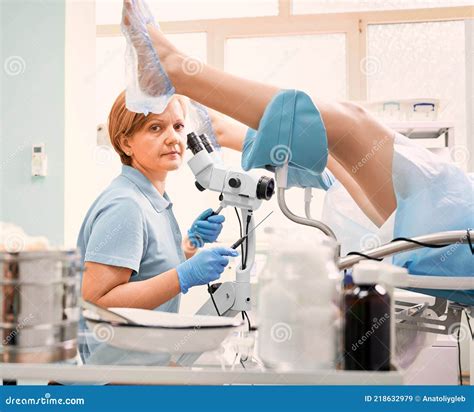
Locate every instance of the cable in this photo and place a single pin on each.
(240, 222)
(468, 234)
(364, 256)
(459, 356)
(406, 239)
(240, 229)
(212, 298)
(249, 218)
(469, 323)
(244, 313)
(235, 358)
(416, 242)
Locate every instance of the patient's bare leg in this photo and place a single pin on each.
(343, 162)
(242, 99)
(361, 145)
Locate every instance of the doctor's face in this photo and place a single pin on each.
(160, 144)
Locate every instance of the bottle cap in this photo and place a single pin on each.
(368, 272)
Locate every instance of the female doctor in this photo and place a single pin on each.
(131, 244)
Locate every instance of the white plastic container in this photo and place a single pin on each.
(422, 109)
(401, 110)
(387, 111)
(298, 302)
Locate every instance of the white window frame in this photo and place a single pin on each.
(352, 24)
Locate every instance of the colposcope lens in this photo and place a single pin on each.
(206, 143)
(265, 188)
(194, 143)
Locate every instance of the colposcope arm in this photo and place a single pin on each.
(302, 220)
(308, 195)
(242, 279)
(231, 297)
(281, 175)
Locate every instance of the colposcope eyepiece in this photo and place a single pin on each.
(194, 143)
(265, 188)
(206, 142)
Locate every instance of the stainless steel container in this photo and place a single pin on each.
(39, 306)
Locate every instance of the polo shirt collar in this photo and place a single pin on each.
(158, 201)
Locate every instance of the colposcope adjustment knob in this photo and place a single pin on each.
(234, 182)
(199, 187)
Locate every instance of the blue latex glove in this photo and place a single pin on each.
(205, 229)
(204, 267)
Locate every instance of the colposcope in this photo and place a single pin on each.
(236, 189)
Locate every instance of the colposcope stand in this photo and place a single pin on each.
(230, 298)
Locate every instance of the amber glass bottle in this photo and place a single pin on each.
(366, 329)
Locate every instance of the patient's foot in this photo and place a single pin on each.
(144, 68)
(175, 63)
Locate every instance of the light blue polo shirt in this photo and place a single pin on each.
(130, 225)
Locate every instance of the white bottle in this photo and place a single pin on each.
(298, 302)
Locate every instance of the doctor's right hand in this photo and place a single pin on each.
(204, 267)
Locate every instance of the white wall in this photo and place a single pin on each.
(88, 168)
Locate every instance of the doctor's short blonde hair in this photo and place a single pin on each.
(122, 122)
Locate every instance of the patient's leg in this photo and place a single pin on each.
(351, 185)
(364, 148)
(231, 134)
(242, 99)
(361, 145)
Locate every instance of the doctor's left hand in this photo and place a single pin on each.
(206, 228)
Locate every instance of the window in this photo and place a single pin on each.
(110, 11)
(421, 60)
(340, 6)
(292, 62)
